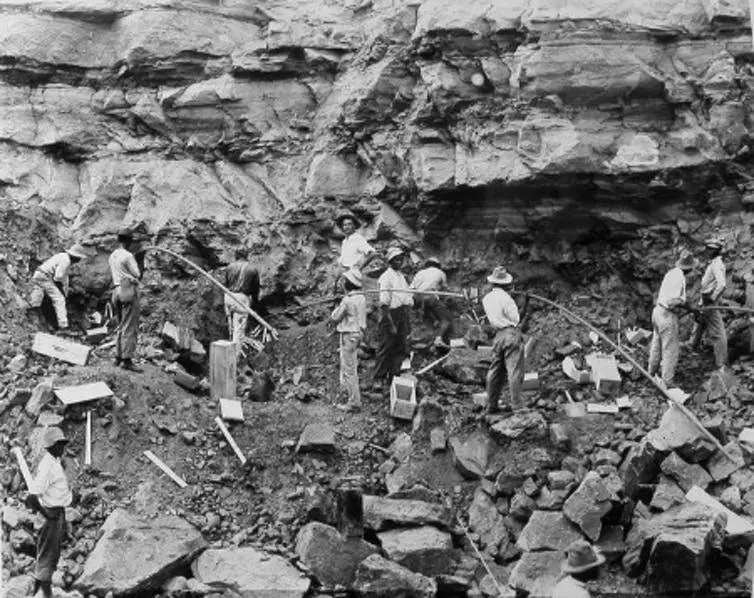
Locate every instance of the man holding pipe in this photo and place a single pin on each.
(126, 279)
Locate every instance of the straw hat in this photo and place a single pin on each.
(393, 253)
(580, 557)
(52, 436)
(500, 276)
(77, 251)
(715, 242)
(433, 260)
(343, 216)
(125, 232)
(354, 277)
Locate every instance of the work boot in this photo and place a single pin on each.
(117, 361)
(128, 364)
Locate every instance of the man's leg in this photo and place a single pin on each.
(442, 314)
(718, 337)
(383, 358)
(48, 552)
(496, 375)
(670, 347)
(515, 366)
(58, 302)
(401, 317)
(349, 363)
(655, 348)
(130, 329)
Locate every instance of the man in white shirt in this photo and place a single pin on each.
(355, 251)
(712, 288)
(670, 301)
(432, 278)
(50, 495)
(126, 279)
(508, 348)
(582, 564)
(394, 325)
(52, 278)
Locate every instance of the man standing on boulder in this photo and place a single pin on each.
(242, 279)
(508, 349)
(711, 321)
(355, 251)
(49, 494)
(432, 278)
(52, 279)
(394, 325)
(126, 279)
(670, 300)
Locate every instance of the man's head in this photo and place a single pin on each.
(352, 280)
(347, 223)
(500, 277)
(686, 262)
(582, 561)
(714, 246)
(76, 253)
(394, 258)
(125, 236)
(432, 261)
(55, 441)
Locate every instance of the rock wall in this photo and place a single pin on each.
(213, 124)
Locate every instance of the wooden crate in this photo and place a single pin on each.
(605, 374)
(403, 398)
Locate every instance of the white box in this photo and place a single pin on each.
(231, 410)
(531, 381)
(605, 374)
(403, 398)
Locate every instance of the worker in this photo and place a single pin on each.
(432, 278)
(508, 348)
(49, 495)
(394, 324)
(712, 289)
(52, 279)
(355, 251)
(125, 300)
(581, 565)
(671, 300)
(242, 279)
(351, 319)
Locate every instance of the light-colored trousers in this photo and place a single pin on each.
(44, 285)
(349, 365)
(237, 318)
(665, 347)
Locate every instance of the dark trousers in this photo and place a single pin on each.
(507, 363)
(128, 314)
(49, 542)
(393, 347)
(434, 308)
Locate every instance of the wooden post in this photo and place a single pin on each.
(231, 441)
(166, 470)
(23, 467)
(88, 448)
(222, 369)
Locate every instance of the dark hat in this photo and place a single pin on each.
(715, 242)
(580, 557)
(343, 215)
(686, 262)
(125, 232)
(433, 260)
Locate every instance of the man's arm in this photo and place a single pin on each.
(339, 312)
(132, 268)
(719, 273)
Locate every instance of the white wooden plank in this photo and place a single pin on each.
(60, 348)
(231, 410)
(88, 447)
(597, 408)
(169, 472)
(231, 441)
(71, 395)
(23, 466)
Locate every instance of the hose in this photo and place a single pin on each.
(691, 417)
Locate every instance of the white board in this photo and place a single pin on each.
(231, 410)
(72, 395)
(60, 348)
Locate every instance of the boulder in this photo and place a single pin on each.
(667, 494)
(40, 396)
(330, 556)
(425, 550)
(382, 513)
(588, 505)
(523, 424)
(470, 456)
(511, 467)
(721, 467)
(641, 466)
(135, 555)
(438, 440)
(317, 437)
(429, 415)
(537, 573)
(466, 366)
(400, 449)
(522, 506)
(250, 572)
(686, 474)
(547, 530)
(675, 548)
(18, 587)
(486, 521)
(551, 500)
(677, 433)
(738, 529)
(377, 577)
(561, 480)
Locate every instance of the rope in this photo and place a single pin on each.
(214, 281)
(633, 362)
(481, 558)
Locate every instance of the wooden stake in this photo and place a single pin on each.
(222, 369)
(22, 465)
(169, 472)
(425, 369)
(88, 448)
(231, 441)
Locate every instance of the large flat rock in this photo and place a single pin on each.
(588, 505)
(378, 577)
(251, 573)
(382, 513)
(547, 530)
(537, 573)
(425, 550)
(135, 555)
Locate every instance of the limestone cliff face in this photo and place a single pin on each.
(212, 124)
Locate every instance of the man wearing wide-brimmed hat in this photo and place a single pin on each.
(52, 279)
(508, 349)
(242, 280)
(712, 289)
(351, 319)
(126, 280)
(50, 494)
(582, 564)
(671, 300)
(394, 325)
(355, 251)
(428, 279)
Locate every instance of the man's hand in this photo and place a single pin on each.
(32, 503)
